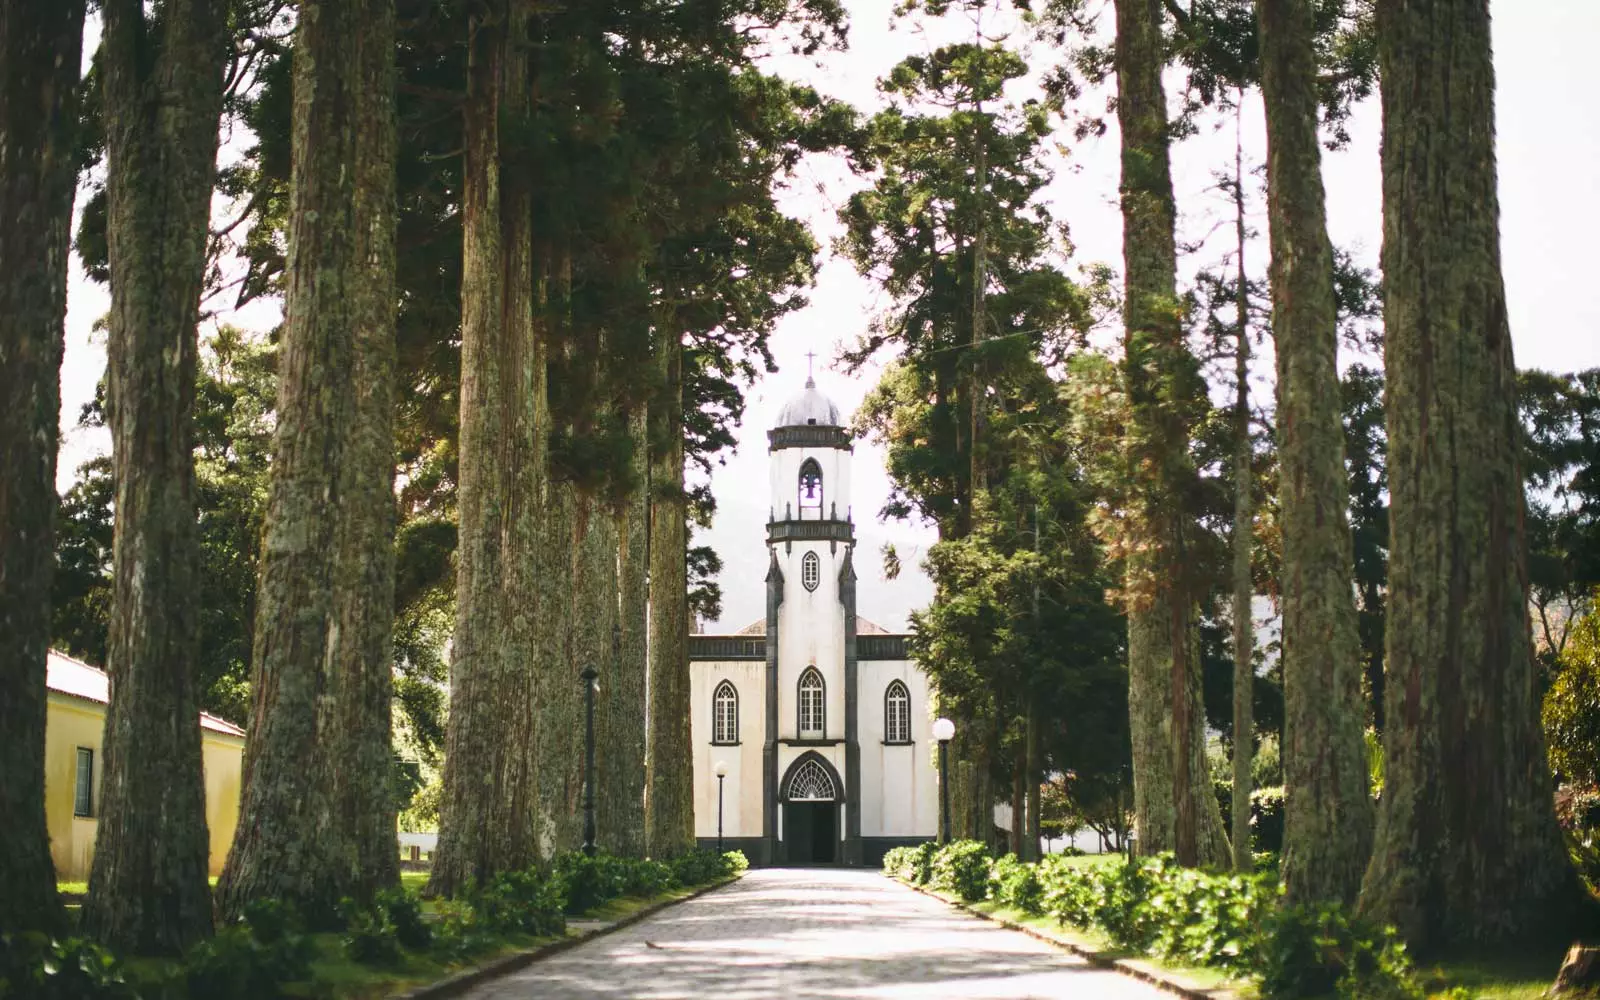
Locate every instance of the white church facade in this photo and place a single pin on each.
(818, 719)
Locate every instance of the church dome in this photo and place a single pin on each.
(810, 407)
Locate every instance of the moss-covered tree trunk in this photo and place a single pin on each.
(669, 814)
(40, 48)
(1328, 811)
(489, 804)
(162, 98)
(593, 617)
(318, 761)
(620, 714)
(1173, 805)
(1467, 847)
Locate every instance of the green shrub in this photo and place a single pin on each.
(369, 938)
(1312, 951)
(34, 966)
(962, 867)
(1266, 818)
(404, 913)
(900, 862)
(586, 883)
(252, 959)
(1015, 884)
(704, 865)
(922, 863)
(522, 902)
(458, 934)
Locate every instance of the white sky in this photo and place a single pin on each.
(1549, 199)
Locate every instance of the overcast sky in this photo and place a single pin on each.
(1550, 211)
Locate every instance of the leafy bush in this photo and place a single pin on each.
(586, 883)
(522, 902)
(900, 862)
(1015, 884)
(962, 867)
(404, 913)
(458, 933)
(1311, 951)
(250, 960)
(922, 863)
(34, 966)
(369, 938)
(1266, 818)
(705, 865)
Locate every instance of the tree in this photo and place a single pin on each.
(1173, 803)
(1328, 813)
(161, 95)
(317, 819)
(1467, 846)
(1571, 712)
(1366, 460)
(40, 47)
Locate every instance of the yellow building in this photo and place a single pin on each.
(75, 724)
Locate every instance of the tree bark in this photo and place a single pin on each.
(1244, 674)
(669, 814)
(1035, 769)
(620, 714)
(1328, 809)
(489, 804)
(1173, 804)
(317, 773)
(40, 50)
(1467, 847)
(162, 96)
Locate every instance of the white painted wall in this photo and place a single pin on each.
(899, 784)
(784, 485)
(741, 815)
(810, 633)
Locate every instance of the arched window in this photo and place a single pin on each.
(897, 714)
(725, 714)
(812, 783)
(810, 571)
(810, 488)
(811, 709)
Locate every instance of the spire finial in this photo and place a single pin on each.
(811, 382)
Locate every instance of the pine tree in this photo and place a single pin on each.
(317, 819)
(162, 99)
(1173, 803)
(1467, 847)
(1328, 812)
(40, 46)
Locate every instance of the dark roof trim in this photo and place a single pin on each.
(706, 648)
(809, 436)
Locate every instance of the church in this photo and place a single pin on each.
(810, 729)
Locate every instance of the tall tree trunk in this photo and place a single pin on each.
(1019, 796)
(1244, 673)
(594, 615)
(318, 764)
(1030, 846)
(1467, 846)
(40, 49)
(1173, 804)
(162, 96)
(620, 714)
(669, 817)
(488, 811)
(1328, 810)
(365, 580)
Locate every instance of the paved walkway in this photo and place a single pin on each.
(781, 933)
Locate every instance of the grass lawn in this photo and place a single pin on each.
(1523, 975)
(1089, 860)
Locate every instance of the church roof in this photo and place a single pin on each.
(808, 408)
(863, 627)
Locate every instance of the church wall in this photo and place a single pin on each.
(810, 633)
(785, 481)
(741, 816)
(899, 784)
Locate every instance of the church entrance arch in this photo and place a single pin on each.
(811, 796)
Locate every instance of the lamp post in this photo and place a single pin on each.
(589, 676)
(943, 730)
(721, 771)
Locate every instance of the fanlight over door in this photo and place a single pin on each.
(811, 783)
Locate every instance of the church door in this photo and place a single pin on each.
(811, 803)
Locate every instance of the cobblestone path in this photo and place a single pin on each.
(781, 933)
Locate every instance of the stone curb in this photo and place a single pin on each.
(458, 983)
(1143, 971)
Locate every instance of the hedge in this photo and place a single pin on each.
(1235, 923)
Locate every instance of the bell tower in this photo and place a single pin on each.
(811, 642)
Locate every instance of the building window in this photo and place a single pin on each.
(812, 783)
(83, 794)
(811, 712)
(810, 488)
(725, 714)
(810, 571)
(897, 714)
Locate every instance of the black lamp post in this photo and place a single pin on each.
(589, 675)
(722, 772)
(943, 730)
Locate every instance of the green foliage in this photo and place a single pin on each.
(369, 938)
(35, 966)
(704, 865)
(962, 867)
(1312, 951)
(251, 960)
(521, 902)
(1572, 706)
(1016, 884)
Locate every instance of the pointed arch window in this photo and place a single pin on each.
(812, 713)
(810, 571)
(811, 782)
(810, 489)
(897, 713)
(725, 714)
